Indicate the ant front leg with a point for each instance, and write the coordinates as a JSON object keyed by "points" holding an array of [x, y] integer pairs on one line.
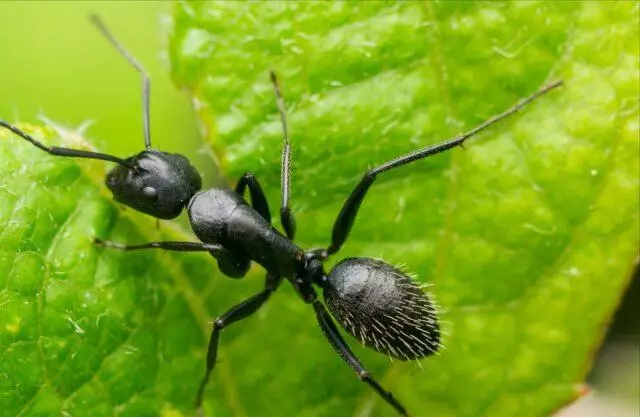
{"points": [[258, 199], [238, 312], [286, 216], [332, 334]]}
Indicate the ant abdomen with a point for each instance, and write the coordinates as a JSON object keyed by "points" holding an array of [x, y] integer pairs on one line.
{"points": [[382, 307]]}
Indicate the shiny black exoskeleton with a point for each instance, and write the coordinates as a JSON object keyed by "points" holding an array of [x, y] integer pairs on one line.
{"points": [[375, 302], [159, 184]]}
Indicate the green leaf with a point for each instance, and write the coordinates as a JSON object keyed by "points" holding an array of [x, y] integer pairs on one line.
{"points": [[83, 330], [529, 235]]}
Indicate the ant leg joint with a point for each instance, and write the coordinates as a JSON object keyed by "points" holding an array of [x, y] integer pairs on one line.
{"points": [[364, 375]]}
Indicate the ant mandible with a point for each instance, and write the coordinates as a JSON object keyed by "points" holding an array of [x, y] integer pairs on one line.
{"points": [[374, 301]]}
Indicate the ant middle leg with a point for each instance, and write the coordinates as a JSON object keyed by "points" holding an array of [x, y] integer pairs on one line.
{"points": [[166, 245], [229, 264], [238, 312]]}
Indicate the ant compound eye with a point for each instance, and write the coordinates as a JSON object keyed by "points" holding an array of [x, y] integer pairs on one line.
{"points": [[149, 192]]}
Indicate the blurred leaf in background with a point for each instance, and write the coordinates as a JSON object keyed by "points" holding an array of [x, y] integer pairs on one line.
{"points": [[55, 63], [529, 235]]}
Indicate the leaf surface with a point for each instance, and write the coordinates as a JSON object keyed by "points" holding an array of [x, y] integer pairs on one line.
{"points": [[529, 235]]}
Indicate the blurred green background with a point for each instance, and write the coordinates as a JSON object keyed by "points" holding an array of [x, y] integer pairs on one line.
{"points": [[54, 63]]}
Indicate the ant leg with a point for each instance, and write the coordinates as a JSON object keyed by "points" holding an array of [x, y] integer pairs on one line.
{"points": [[238, 312], [56, 151], [349, 210], [146, 83], [229, 264], [286, 216], [340, 346], [167, 245], [258, 200]]}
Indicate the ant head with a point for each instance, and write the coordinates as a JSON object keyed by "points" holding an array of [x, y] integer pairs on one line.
{"points": [[156, 183]]}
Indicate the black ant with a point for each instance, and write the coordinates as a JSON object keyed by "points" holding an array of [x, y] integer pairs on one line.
{"points": [[375, 302]]}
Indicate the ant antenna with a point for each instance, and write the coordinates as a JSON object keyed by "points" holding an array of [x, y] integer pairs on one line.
{"points": [[57, 151], [146, 87]]}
